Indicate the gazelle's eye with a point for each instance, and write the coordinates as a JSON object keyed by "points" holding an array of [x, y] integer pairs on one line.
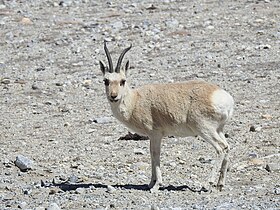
{"points": [[106, 82], [122, 83]]}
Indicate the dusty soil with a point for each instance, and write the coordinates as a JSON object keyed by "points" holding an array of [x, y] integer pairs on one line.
{"points": [[54, 111]]}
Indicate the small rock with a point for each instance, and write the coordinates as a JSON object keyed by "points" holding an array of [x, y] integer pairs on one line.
{"points": [[139, 152], [256, 161], [27, 191], [54, 190], [258, 129], [40, 208], [263, 46], [80, 190], [7, 163], [253, 155], [26, 21], [5, 81], [277, 190], [53, 206], [140, 166], [20, 81], [152, 7], [155, 207], [259, 20], [253, 162], [203, 160], [91, 130], [173, 23], [110, 189], [23, 163], [34, 87], [59, 84], [210, 27], [73, 179], [172, 164], [22, 205], [266, 116], [255, 128], [65, 3], [87, 83], [272, 167], [102, 120], [118, 25]]}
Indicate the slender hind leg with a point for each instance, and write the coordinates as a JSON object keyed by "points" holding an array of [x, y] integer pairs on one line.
{"points": [[221, 163], [225, 162]]}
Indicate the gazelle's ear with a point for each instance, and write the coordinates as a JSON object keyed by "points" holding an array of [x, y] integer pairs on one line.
{"points": [[102, 67], [126, 67]]}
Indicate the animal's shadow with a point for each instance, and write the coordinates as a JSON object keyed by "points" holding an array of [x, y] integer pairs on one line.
{"points": [[73, 186]]}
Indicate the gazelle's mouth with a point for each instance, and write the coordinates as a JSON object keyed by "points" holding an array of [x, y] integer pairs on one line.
{"points": [[114, 100]]}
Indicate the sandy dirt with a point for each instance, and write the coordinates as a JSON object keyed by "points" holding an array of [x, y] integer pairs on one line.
{"points": [[54, 110]]}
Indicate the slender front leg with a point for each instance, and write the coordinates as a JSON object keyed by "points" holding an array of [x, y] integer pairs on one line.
{"points": [[155, 146]]}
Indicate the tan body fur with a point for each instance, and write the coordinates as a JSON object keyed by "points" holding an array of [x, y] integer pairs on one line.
{"points": [[159, 107], [183, 109]]}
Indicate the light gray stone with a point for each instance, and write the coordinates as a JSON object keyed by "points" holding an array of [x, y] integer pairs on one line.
{"points": [[53, 206], [23, 163]]}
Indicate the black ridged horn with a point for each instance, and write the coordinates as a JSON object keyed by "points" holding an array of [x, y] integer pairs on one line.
{"points": [[118, 68], [111, 69]]}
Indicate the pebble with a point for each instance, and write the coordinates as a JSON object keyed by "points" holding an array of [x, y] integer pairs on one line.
{"points": [[256, 161], [54, 190], [22, 205], [205, 160], [272, 167], [254, 128], [27, 190], [80, 190], [253, 155], [155, 207], [5, 81], [87, 83], [277, 190], [102, 120], [140, 166], [118, 25], [23, 163], [172, 23], [26, 21], [65, 3], [139, 151], [73, 179], [267, 116], [111, 189], [263, 46], [34, 87], [53, 206], [40, 208], [210, 27]]}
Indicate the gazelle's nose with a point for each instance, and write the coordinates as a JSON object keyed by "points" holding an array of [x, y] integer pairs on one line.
{"points": [[113, 96]]}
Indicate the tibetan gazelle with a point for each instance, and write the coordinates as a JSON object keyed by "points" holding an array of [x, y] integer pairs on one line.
{"points": [[192, 108]]}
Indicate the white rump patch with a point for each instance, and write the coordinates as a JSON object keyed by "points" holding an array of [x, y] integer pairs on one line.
{"points": [[223, 102]]}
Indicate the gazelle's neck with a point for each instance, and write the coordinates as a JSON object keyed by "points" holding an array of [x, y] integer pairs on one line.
{"points": [[123, 109]]}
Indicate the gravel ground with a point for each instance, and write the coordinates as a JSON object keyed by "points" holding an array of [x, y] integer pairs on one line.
{"points": [[56, 120]]}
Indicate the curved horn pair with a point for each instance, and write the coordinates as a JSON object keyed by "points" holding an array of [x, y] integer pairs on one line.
{"points": [[118, 68]]}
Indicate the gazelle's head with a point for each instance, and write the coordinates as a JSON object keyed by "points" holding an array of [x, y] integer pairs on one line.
{"points": [[114, 79]]}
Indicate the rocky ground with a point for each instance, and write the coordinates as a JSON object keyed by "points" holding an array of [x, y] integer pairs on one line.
{"points": [[54, 112]]}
